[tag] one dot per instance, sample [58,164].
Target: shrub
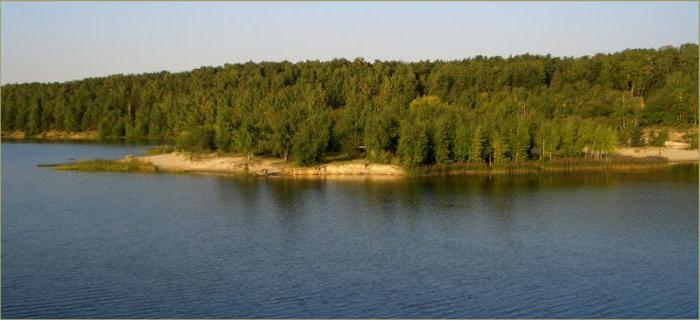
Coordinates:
[659,138]
[199,139]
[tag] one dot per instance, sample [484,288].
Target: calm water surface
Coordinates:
[78,244]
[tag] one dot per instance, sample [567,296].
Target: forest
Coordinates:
[482,109]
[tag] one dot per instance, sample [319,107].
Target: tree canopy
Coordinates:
[479,109]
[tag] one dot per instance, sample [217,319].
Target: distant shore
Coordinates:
[626,159]
[52,135]
[179,162]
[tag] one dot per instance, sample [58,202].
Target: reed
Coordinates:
[564,165]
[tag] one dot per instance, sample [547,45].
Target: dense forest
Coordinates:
[482,109]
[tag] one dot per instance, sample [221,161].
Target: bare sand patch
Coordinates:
[13,135]
[672,154]
[213,163]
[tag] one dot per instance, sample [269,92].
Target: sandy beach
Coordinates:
[233,164]
[212,163]
[672,154]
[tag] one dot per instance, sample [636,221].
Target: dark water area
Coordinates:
[90,245]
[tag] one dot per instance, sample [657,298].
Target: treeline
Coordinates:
[489,109]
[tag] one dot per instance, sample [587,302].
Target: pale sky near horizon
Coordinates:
[45,42]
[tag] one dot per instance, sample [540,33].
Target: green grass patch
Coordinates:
[160,150]
[564,165]
[125,166]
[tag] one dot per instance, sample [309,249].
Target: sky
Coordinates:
[47,42]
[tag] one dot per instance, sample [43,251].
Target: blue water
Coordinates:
[78,244]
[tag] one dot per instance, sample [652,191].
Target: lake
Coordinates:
[88,245]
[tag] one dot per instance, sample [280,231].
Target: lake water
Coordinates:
[78,244]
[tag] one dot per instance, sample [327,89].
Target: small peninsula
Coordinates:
[627,159]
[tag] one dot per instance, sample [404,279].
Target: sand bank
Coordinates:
[672,154]
[212,163]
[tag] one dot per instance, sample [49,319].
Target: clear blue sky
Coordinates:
[64,41]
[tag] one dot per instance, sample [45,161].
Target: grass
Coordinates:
[564,165]
[124,166]
[160,150]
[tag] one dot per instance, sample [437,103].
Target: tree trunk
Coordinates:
[543,148]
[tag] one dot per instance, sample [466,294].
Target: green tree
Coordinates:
[476,144]
[520,141]
[519,107]
[443,139]
[198,139]
[675,103]
[546,140]
[497,148]
[413,146]
[311,140]
[568,136]
[659,137]
[462,142]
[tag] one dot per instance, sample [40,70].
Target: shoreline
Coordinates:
[625,159]
[670,153]
[259,166]
[214,164]
[52,135]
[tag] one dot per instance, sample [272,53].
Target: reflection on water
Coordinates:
[115,245]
